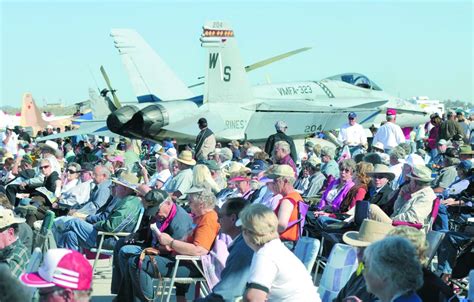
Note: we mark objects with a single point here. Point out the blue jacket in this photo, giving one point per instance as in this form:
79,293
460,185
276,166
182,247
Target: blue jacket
409,297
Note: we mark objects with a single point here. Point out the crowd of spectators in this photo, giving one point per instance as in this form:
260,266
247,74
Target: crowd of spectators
187,198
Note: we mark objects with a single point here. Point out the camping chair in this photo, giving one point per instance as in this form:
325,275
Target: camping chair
342,262
434,239
201,283
419,226
33,265
99,251
307,249
43,238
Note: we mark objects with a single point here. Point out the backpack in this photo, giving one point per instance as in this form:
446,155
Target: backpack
302,210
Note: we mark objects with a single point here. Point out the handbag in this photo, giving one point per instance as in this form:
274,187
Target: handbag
151,252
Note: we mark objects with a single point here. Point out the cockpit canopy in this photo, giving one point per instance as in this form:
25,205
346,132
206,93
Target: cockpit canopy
356,79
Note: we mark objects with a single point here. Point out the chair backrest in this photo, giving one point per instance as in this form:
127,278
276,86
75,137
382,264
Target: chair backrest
342,262
214,262
139,220
306,250
302,211
434,212
434,239
35,261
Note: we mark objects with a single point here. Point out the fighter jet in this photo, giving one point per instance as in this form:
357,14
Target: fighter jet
234,109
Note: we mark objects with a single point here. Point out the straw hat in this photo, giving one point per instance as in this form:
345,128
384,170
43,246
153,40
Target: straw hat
7,218
369,231
276,171
465,150
381,169
186,157
128,180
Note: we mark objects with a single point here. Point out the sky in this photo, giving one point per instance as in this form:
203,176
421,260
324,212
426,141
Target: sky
410,48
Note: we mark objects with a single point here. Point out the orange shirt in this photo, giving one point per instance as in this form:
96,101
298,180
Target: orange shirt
206,228
291,233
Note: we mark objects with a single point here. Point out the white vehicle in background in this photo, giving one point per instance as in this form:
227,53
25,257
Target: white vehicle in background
428,105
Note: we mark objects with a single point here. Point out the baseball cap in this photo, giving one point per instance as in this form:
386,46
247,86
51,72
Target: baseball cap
87,167
391,111
258,166
212,165
155,198
7,218
443,142
61,267
465,165
352,115
202,121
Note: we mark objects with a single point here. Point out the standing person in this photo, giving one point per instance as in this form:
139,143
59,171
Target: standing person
205,141
276,274
64,275
9,140
13,254
433,134
450,128
390,134
352,134
280,135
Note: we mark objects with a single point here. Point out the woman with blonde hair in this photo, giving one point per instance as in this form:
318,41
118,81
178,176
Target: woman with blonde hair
202,178
276,274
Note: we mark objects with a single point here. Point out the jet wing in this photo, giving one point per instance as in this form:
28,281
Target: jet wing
302,118
91,127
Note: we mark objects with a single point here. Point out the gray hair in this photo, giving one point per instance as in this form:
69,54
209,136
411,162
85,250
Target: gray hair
328,151
75,165
348,164
164,161
225,154
390,117
284,146
396,258
104,170
206,198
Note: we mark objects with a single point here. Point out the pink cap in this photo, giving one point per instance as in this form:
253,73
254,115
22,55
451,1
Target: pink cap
238,178
391,111
118,158
61,267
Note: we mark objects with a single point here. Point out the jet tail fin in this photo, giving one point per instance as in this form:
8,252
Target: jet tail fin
226,77
30,114
152,80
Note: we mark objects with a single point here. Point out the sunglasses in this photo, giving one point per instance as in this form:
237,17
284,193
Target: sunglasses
345,170
72,171
44,167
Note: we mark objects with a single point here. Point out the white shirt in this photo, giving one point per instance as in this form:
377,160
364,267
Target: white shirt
397,170
276,268
354,135
162,176
390,135
12,144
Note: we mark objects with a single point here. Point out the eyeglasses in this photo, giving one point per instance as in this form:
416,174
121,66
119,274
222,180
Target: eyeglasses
345,170
72,171
44,167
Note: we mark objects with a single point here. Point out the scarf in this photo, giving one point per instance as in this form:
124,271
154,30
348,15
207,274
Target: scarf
164,225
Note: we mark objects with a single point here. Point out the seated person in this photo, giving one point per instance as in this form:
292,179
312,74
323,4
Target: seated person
451,195
447,175
415,201
169,217
276,274
198,243
122,218
79,194
316,177
380,189
237,267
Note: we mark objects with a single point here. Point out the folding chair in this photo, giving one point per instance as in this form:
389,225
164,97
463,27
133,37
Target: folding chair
419,225
99,251
307,249
342,262
199,281
434,239
33,265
